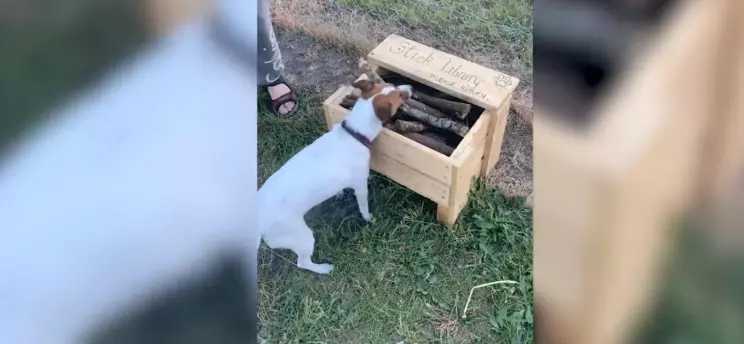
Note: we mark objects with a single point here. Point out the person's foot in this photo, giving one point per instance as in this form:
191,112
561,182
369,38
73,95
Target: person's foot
276,92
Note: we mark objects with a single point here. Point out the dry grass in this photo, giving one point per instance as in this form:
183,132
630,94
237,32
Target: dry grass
356,30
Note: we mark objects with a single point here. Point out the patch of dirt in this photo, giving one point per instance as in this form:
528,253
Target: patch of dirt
322,51
311,63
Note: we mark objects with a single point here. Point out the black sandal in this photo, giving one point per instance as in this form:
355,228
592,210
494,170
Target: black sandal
291,96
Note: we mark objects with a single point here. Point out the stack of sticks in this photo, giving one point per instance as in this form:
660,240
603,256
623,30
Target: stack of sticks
420,117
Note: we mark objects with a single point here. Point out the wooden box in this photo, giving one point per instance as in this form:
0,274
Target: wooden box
444,179
607,195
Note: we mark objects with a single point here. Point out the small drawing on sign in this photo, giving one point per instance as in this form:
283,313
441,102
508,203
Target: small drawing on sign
502,80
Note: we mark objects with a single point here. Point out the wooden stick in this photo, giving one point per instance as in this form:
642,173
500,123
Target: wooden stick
402,126
430,142
425,139
435,137
441,123
356,93
465,311
348,103
364,65
425,108
421,116
456,109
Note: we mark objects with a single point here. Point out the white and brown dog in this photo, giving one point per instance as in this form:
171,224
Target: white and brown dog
337,160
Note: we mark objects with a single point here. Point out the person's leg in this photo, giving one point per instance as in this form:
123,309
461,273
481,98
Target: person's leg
270,63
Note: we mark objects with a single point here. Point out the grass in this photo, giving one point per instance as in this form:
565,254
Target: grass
403,277
486,26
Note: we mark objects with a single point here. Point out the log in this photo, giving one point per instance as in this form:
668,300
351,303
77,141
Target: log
348,103
364,66
457,109
425,108
356,93
402,126
441,123
436,143
435,137
440,147
421,116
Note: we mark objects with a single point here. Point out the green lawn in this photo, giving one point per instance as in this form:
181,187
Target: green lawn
485,27
403,277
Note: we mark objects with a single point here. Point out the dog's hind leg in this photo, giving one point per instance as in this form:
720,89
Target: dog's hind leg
302,242
303,246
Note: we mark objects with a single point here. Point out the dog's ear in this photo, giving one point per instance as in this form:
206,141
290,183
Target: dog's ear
369,89
386,105
406,91
383,110
364,85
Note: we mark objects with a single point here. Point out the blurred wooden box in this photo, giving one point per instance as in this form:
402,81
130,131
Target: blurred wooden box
607,195
444,179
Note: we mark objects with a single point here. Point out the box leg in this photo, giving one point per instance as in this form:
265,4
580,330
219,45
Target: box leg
495,136
448,215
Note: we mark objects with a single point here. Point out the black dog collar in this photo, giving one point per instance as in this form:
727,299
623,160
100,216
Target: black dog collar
355,134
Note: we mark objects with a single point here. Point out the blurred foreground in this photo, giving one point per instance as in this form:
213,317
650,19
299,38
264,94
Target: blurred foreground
638,155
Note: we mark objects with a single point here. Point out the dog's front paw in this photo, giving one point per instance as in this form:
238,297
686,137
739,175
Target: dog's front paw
323,269
368,217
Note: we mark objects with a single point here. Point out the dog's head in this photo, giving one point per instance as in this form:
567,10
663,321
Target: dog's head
386,98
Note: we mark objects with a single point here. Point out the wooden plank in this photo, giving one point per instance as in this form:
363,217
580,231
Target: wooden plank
606,197
477,133
652,161
476,84
564,222
336,97
410,178
465,170
469,169
415,155
448,213
723,157
495,136
332,111
336,114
